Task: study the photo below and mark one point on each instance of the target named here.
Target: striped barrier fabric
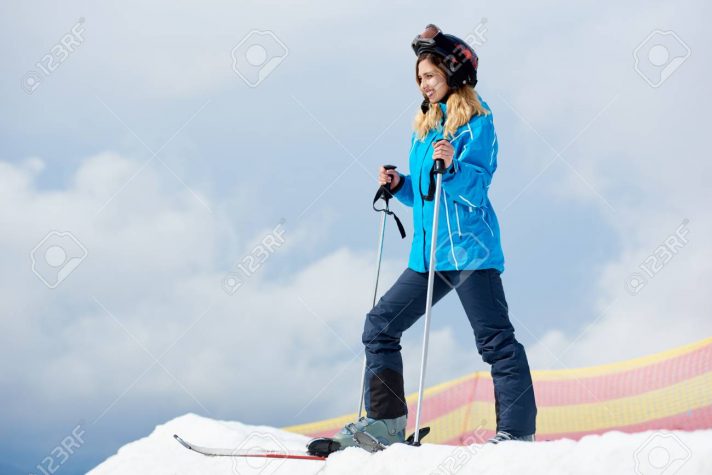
(669, 390)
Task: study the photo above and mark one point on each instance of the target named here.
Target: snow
(653, 452)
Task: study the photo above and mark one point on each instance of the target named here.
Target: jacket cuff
(401, 182)
(450, 171)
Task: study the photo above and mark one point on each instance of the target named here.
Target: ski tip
(182, 442)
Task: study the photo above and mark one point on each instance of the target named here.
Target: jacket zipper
(422, 208)
(457, 217)
(422, 202)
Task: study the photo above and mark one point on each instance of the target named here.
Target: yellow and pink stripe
(668, 390)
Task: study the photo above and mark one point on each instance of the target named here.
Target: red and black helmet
(459, 58)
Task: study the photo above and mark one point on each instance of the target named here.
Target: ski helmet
(459, 58)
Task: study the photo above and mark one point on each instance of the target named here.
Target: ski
(217, 452)
(319, 449)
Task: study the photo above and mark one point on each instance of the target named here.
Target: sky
(151, 153)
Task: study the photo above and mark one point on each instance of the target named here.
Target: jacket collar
(443, 108)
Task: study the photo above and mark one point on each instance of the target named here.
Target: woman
(454, 125)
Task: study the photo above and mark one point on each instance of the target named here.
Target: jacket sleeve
(474, 162)
(404, 190)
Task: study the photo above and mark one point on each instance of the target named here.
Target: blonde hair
(461, 105)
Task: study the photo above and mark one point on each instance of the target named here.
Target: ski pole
(382, 193)
(439, 169)
(375, 293)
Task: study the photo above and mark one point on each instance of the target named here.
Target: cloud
(641, 165)
(652, 297)
(152, 270)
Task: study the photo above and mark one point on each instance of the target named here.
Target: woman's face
(432, 80)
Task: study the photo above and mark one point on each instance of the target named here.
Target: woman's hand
(388, 176)
(443, 149)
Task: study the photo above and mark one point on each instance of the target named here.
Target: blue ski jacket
(468, 230)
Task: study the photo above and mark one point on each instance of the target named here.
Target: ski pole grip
(384, 193)
(388, 167)
(439, 166)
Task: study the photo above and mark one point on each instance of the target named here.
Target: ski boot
(502, 436)
(383, 431)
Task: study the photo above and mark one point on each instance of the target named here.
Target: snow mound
(653, 452)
